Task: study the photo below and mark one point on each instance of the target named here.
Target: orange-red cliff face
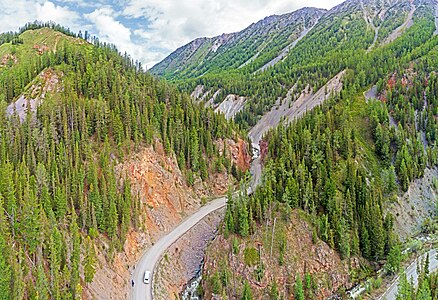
(165, 199)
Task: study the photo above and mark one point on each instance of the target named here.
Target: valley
(287, 109)
(296, 159)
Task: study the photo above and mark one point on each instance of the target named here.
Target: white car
(147, 276)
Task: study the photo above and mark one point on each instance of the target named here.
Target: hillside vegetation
(340, 39)
(341, 164)
(59, 193)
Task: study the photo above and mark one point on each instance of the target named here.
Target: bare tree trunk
(272, 238)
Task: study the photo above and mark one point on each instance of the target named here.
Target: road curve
(149, 260)
(152, 256)
(411, 272)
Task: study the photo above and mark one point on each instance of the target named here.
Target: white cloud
(174, 23)
(113, 31)
(108, 28)
(15, 14)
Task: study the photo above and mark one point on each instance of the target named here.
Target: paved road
(152, 256)
(411, 271)
(150, 259)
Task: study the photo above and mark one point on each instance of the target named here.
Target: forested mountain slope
(344, 168)
(259, 43)
(339, 40)
(72, 113)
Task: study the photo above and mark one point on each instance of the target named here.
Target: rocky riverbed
(183, 260)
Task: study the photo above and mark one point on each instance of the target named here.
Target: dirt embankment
(301, 255)
(166, 199)
(183, 260)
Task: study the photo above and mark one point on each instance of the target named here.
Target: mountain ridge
(202, 51)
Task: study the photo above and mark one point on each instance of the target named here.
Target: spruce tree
(90, 261)
(299, 291)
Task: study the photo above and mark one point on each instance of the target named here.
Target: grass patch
(251, 256)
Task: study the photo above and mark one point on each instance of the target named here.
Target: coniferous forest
(345, 161)
(74, 108)
(59, 192)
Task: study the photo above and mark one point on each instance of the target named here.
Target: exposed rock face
(291, 110)
(416, 205)
(47, 81)
(231, 106)
(302, 256)
(165, 201)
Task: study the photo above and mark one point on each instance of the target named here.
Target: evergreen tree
(243, 220)
(394, 259)
(299, 291)
(273, 293)
(404, 290)
(424, 292)
(90, 261)
(41, 283)
(246, 293)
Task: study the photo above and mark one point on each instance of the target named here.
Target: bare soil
(165, 201)
(301, 256)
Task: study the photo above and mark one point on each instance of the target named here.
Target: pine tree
(60, 203)
(90, 262)
(343, 239)
(299, 291)
(273, 293)
(404, 291)
(7, 189)
(75, 255)
(216, 285)
(404, 177)
(112, 221)
(365, 242)
(5, 274)
(41, 283)
(394, 259)
(424, 292)
(55, 263)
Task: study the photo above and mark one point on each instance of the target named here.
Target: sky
(149, 30)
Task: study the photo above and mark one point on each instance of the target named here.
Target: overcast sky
(149, 30)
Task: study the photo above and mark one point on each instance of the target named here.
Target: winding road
(411, 272)
(152, 256)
